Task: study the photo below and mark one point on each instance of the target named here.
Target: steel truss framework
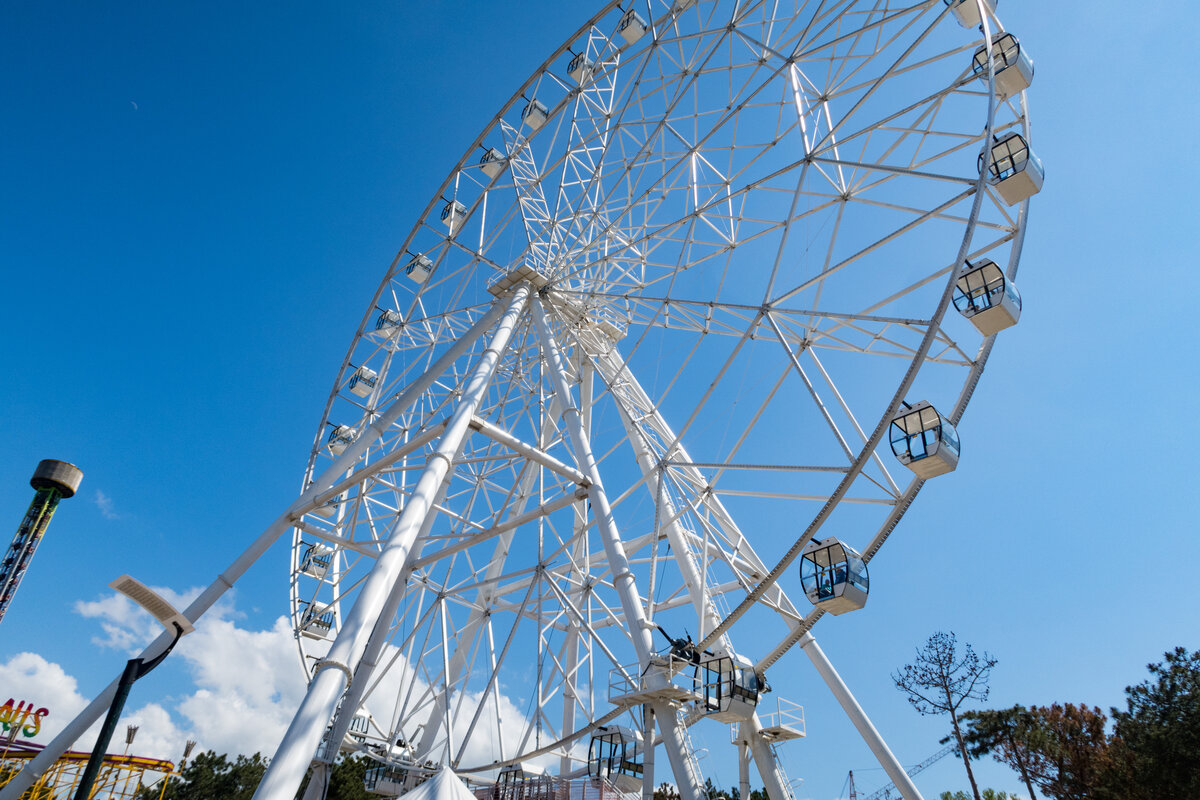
(655, 353)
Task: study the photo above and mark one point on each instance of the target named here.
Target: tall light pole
(135, 668)
(130, 733)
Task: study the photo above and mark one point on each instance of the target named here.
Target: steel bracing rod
(307, 500)
(905, 500)
(491, 684)
(581, 564)
(333, 673)
(675, 736)
(857, 716)
(370, 659)
(632, 398)
(685, 558)
(513, 522)
(480, 615)
(764, 757)
(913, 368)
(534, 454)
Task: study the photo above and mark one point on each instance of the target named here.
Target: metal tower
(53, 481)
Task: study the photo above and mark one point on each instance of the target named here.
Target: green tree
(209, 776)
(988, 794)
(1007, 735)
(713, 792)
(941, 680)
(666, 792)
(1069, 751)
(1156, 745)
(346, 779)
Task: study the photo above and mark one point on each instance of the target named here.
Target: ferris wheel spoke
(705, 205)
(651, 428)
(892, 236)
(491, 682)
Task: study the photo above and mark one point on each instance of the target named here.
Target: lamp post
(135, 668)
(130, 733)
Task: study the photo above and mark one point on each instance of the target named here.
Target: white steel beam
(333, 673)
(679, 750)
(307, 500)
(685, 558)
(859, 717)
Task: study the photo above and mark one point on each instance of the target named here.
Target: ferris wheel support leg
(766, 759)
(743, 765)
(370, 659)
(306, 501)
(648, 758)
(624, 386)
(675, 736)
(859, 717)
(86, 718)
(479, 614)
(332, 674)
(318, 781)
(586, 373)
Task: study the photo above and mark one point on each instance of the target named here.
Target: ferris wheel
(664, 360)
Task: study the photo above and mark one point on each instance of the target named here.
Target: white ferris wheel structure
(665, 360)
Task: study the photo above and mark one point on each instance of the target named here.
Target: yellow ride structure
(121, 777)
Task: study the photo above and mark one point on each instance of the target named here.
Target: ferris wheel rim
(461, 165)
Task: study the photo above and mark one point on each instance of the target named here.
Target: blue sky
(199, 201)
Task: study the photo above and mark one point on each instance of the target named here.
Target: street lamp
(130, 732)
(135, 668)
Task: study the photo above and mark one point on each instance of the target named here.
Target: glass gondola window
(453, 214)
(615, 754)
(731, 687)
(535, 114)
(985, 296)
(1015, 172)
(580, 68)
(362, 381)
(983, 286)
(1006, 51)
(493, 163)
(317, 622)
(834, 576)
(1013, 66)
(316, 561)
(523, 782)
(388, 320)
(420, 267)
(632, 27)
(1009, 156)
(340, 437)
(924, 441)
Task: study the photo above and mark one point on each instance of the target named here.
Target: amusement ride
(665, 359)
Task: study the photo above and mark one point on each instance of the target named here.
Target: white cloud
(247, 682)
(29, 677)
(105, 504)
(247, 685)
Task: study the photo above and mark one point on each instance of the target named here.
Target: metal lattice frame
(743, 226)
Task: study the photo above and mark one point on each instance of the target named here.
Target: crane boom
(885, 792)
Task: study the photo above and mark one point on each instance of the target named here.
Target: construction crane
(885, 792)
